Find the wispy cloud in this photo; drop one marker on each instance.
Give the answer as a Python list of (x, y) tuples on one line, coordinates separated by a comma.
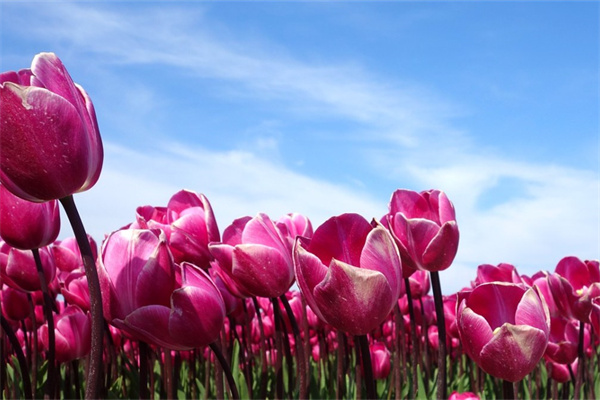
[(552, 210)]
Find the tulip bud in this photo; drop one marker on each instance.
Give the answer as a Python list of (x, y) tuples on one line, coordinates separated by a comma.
[(51, 146), (349, 272), (424, 227), (504, 328)]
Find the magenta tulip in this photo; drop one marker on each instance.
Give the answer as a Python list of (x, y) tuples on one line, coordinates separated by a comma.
[(256, 257), (26, 225), (154, 300), (424, 227), (15, 305), (189, 223), (349, 272), (504, 328), (73, 329), (18, 269), (51, 146), (381, 360), (502, 272)]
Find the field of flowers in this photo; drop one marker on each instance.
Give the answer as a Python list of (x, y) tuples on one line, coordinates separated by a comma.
[(171, 307)]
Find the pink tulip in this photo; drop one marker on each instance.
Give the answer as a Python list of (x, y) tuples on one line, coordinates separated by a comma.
[(15, 305), (51, 146), (73, 330), (561, 349), (424, 227), (380, 359), (504, 328), (349, 272), (463, 396), (419, 284), (189, 223), (18, 269), (255, 257), (26, 225), (502, 272), (75, 289), (296, 225), (151, 298)]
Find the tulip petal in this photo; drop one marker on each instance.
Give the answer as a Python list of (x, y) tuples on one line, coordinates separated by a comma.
[(513, 352), (341, 238), (262, 270), (409, 203), (475, 331), (309, 271), (381, 254), (531, 311), (441, 250), (151, 325), (354, 300)]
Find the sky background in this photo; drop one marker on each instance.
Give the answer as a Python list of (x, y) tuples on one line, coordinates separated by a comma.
[(324, 108)]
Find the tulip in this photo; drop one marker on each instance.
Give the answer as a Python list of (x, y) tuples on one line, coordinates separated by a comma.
[(463, 396), (15, 305), (51, 146), (73, 329), (504, 328), (154, 300), (75, 289), (136, 270), (424, 227), (189, 223), (380, 356), (26, 225), (349, 272), (18, 268), (256, 255), (502, 272)]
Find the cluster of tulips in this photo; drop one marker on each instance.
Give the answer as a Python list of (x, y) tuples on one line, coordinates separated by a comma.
[(168, 306)]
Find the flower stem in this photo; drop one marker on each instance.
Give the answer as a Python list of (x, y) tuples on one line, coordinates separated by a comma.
[(303, 393), (14, 342), (365, 357), (47, 306), (508, 389), (94, 375), (580, 362), (227, 369), (442, 387), (144, 392)]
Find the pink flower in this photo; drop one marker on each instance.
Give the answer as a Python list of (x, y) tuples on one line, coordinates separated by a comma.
[(26, 225), (502, 272), (380, 359), (51, 145), (504, 328), (18, 269), (189, 223), (349, 272), (73, 332), (151, 298), (424, 227), (255, 257), (463, 396)]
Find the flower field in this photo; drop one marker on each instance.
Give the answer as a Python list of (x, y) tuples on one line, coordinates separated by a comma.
[(171, 306)]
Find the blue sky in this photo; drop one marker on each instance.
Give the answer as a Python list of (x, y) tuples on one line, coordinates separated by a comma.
[(324, 108)]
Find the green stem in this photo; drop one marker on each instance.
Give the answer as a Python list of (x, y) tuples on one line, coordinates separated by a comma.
[(47, 306), (227, 369), (303, 393), (14, 342), (94, 375), (442, 387), (365, 357)]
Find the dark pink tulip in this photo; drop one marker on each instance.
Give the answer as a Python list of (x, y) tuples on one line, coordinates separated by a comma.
[(26, 225), (419, 284), (561, 349), (75, 289), (73, 330), (51, 145), (148, 296), (502, 272), (256, 255), (19, 271), (381, 360), (349, 272), (15, 305), (296, 225), (504, 328), (189, 223), (463, 396), (424, 227), (136, 270)]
